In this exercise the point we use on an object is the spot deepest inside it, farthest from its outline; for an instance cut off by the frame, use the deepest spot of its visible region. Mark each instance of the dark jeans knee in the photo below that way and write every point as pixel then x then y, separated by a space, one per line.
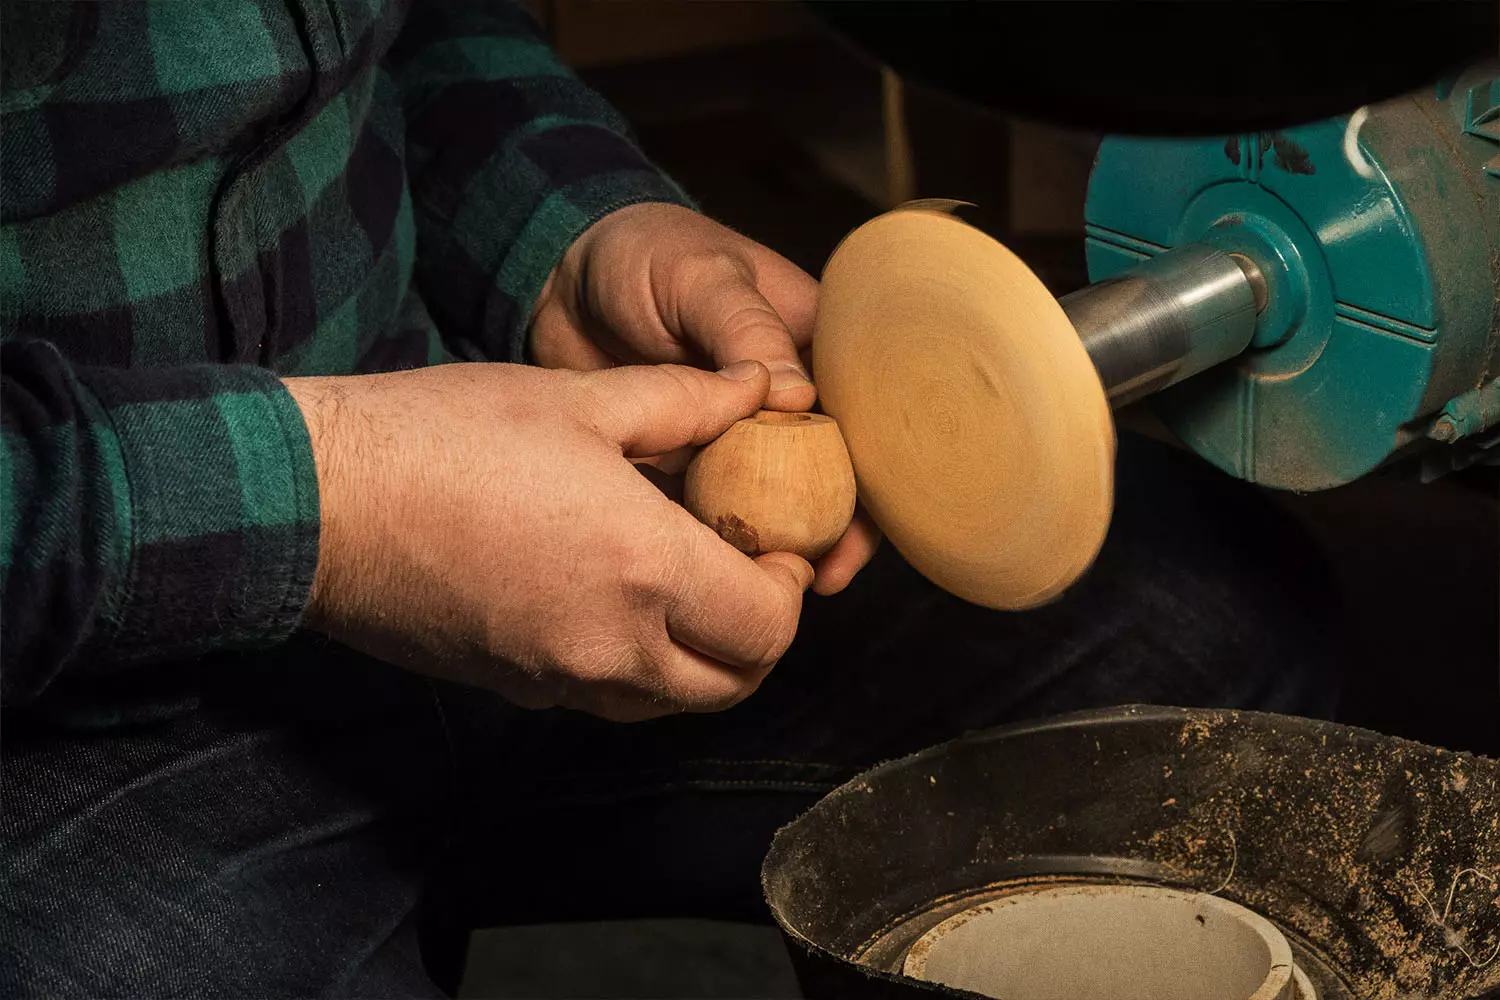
pixel 1240 585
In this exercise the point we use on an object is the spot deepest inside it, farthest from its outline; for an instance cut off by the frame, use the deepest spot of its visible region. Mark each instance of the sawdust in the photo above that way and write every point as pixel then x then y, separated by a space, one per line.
pixel 1194 730
pixel 1409 883
pixel 1378 859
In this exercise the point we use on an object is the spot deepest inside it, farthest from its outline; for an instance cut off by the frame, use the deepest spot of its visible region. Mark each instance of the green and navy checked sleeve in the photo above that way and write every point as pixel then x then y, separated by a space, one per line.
pixel 511 158
pixel 147 515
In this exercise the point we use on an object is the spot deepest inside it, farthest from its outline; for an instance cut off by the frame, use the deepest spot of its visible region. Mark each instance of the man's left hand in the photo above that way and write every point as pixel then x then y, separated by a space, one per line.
pixel 661 284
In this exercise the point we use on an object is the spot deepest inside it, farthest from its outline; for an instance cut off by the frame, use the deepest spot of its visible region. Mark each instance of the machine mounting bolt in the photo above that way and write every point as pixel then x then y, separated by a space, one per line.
pixel 1444 430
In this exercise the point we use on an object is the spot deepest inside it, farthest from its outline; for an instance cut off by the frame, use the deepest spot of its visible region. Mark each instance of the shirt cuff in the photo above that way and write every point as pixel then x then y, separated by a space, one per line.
pixel 220 505
pixel 567 212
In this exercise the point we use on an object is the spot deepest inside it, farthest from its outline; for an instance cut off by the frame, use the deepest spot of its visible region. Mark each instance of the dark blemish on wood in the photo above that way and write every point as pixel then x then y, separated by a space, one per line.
pixel 1291 156
pixel 1232 149
pixel 1199 918
pixel 736 532
pixel 985 376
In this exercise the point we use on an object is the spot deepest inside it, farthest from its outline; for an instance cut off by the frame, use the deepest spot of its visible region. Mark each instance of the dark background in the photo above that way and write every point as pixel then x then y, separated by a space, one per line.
pixel 793 139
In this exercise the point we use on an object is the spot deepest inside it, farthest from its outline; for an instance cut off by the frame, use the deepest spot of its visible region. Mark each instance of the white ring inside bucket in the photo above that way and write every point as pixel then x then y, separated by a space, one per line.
pixel 1108 942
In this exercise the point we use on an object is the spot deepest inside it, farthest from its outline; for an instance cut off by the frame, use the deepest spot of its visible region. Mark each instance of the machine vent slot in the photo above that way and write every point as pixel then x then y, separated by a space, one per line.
pixel 1482 118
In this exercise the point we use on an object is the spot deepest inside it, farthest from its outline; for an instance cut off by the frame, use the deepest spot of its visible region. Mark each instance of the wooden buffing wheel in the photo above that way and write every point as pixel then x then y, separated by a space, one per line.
pixel 980 433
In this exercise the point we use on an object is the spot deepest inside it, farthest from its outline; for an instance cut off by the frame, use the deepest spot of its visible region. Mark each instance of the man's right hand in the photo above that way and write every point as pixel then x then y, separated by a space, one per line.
pixel 483 522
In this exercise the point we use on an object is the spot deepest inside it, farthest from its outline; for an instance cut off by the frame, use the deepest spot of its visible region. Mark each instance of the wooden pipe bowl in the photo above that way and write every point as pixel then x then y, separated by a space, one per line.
pixel 775 482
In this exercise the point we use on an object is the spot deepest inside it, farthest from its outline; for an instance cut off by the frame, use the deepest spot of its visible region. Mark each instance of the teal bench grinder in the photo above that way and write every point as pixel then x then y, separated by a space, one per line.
pixel 1307 305
pixel 1301 305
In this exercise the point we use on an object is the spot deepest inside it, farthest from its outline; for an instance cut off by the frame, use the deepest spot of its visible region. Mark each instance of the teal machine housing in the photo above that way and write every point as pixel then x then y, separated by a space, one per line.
pixel 1377 236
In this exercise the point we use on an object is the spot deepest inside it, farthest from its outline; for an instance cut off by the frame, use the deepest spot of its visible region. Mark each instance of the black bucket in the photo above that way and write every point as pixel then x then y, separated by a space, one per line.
pixel 1377 858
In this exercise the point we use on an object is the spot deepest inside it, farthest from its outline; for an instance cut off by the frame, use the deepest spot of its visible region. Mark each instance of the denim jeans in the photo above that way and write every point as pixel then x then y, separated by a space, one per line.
pixel 308 822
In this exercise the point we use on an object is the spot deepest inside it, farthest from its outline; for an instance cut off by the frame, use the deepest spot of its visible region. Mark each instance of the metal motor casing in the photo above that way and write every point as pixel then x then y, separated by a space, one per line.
pixel 1379 236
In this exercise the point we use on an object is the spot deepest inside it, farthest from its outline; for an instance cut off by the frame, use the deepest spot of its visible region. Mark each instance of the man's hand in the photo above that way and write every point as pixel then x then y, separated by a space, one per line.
pixel 658 283
pixel 485 523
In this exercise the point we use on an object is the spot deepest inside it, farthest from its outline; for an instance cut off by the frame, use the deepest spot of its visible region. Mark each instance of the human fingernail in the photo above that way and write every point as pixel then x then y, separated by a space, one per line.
pixel 788 375
pixel 741 371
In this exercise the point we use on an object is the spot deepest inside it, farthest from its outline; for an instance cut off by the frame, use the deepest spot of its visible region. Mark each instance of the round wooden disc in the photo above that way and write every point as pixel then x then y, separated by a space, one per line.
pixel 981 436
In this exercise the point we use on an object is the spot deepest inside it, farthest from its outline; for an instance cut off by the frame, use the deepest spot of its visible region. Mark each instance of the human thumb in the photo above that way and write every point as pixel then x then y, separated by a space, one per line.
pixel 653 409
pixel 731 321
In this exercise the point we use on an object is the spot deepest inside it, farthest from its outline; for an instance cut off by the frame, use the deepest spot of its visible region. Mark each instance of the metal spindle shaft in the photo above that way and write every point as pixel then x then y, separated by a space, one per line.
pixel 1170 318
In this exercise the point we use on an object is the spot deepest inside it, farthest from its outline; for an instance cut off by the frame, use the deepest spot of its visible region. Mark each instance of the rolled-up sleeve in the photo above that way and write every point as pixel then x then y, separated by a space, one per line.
pixel 511 157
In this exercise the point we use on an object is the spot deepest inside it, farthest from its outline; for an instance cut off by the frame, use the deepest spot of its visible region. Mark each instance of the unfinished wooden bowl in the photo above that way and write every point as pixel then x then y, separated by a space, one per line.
pixel 775 482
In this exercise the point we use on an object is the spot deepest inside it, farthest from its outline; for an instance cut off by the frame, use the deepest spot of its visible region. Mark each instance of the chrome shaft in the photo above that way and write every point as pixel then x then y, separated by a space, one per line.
pixel 1168 319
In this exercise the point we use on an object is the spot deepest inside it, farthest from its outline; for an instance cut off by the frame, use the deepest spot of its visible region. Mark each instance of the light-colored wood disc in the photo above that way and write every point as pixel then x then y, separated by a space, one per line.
pixel 981 436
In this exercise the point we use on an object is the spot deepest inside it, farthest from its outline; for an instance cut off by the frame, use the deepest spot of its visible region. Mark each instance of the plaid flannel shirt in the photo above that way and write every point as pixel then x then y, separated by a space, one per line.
pixel 199 197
